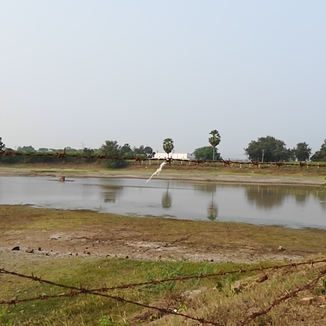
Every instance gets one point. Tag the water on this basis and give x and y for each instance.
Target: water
(289, 206)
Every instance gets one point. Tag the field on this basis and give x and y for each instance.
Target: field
(86, 268)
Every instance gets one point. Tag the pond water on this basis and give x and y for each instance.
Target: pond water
(290, 206)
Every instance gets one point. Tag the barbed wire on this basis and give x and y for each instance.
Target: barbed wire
(117, 298)
(139, 158)
(75, 291)
(283, 298)
(172, 279)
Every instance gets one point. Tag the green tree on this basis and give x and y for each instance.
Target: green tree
(113, 150)
(214, 140)
(168, 145)
(268, 149)
(9, 159)
(26, 149)
(205, 153)
(138, 150)
(143, 151)
(302, 151)
(126, 150)
(320, 156)
(88, 152)
(2, 145)
(149, 151)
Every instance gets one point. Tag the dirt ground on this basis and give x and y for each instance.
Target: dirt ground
(107, 241)
(96, 241)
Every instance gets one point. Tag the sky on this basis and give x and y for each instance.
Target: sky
(75, 73)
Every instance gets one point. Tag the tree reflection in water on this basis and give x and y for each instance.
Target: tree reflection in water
(321, 195)
(212, 211)
(267, 196)
(205, 187)
(111, 192)
(166, 198)
(212, 208)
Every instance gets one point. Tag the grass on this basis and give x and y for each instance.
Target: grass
(88, 309)
(216, 300)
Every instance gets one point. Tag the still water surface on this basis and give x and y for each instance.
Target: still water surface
(291, 206)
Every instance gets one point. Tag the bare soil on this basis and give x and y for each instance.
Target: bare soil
(99, 241)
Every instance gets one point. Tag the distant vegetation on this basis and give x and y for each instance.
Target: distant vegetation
(264, 149)
(71, 155)
(206, 153)
(270, 149)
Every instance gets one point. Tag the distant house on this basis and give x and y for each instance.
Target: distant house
(175, 156)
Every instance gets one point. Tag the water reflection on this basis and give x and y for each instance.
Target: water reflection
(166, 198)
(111, 192)
(205, 187)
(212, 211)
(321, 195)
(258, 204)
(264, 196)
(268, 196)
(301, 197)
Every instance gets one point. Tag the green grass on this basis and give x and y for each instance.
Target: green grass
(97, 273)
(218, 302)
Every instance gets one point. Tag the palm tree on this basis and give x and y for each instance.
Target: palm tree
(214, 140)
(168, 145)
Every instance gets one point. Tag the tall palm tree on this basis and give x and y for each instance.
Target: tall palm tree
(168, 145)
(214, 140)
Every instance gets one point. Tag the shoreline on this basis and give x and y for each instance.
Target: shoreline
(194, 176)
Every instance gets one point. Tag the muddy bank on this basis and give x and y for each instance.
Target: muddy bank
(50, 233)
(144, 172)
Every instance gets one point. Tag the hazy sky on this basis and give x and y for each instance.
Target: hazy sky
(77, 73)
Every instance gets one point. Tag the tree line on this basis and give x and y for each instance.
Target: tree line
(270, 149)
(264, 149)
(86, 155)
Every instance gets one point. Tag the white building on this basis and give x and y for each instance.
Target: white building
(175, 156)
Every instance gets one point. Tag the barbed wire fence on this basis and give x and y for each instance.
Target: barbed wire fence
(63, 155)
(73, 291)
